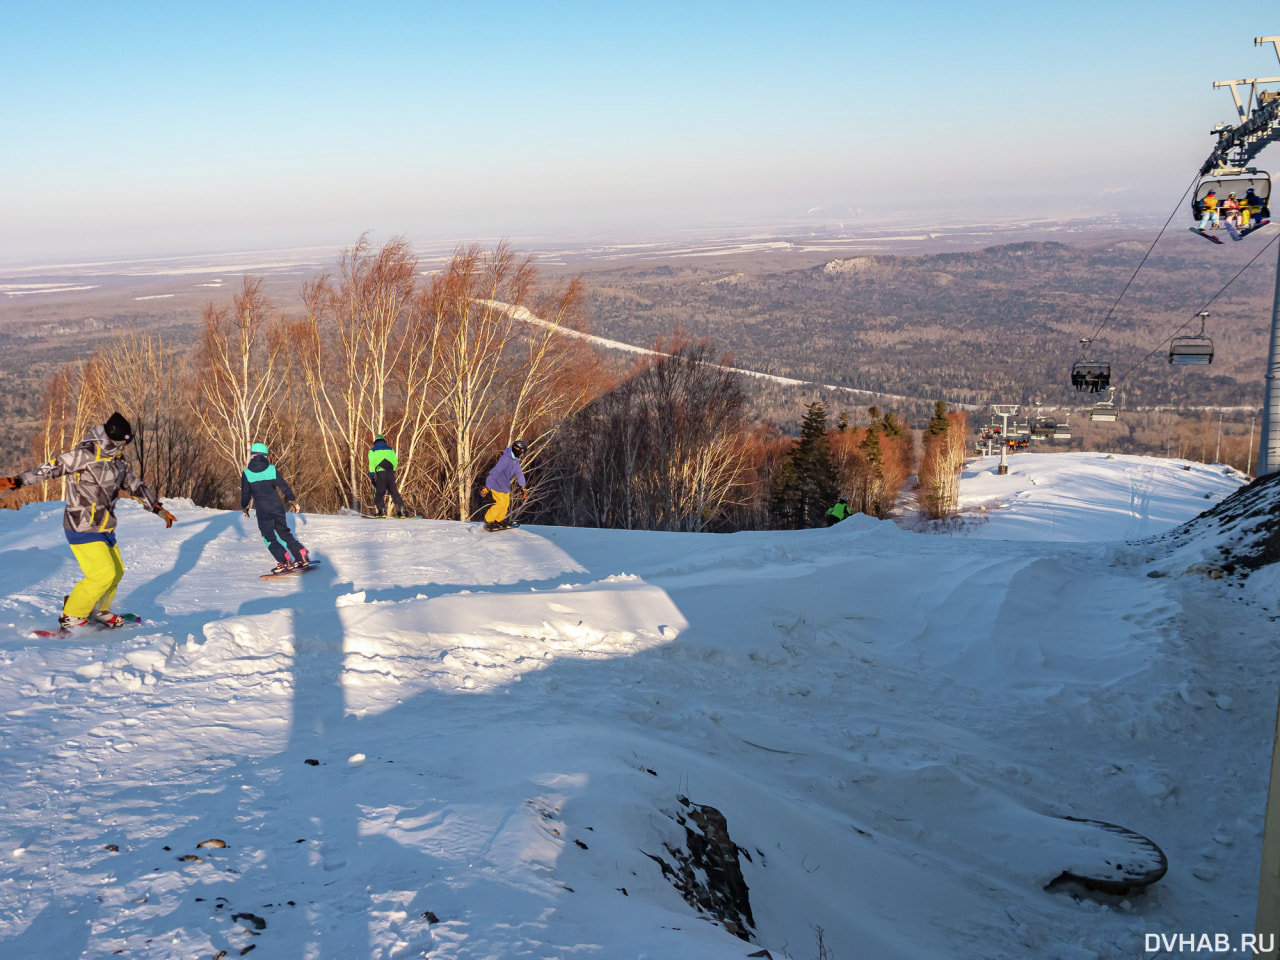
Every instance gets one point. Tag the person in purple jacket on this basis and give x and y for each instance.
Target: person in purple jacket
(505, 476)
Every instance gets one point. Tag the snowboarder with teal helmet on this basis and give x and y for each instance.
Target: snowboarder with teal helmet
(261, 483)
(382, 472)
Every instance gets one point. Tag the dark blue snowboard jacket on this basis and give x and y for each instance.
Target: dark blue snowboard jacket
(262, 483)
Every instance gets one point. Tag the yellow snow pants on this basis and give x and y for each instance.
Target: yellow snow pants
(103, 569)
(498, 512)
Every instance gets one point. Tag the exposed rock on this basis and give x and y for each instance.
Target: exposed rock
(707, 871)
(1250, 519)
(1210, 570)
(852, 265)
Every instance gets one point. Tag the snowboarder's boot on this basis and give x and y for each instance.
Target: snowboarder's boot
(69, 623)
(303, 561)
(283, 567)
(108, 620)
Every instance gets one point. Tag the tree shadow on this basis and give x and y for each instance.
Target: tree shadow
(309, 853)
(147, 595)
(58, 931)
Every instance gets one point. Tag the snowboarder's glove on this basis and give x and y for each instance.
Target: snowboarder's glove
(10, 483)
(291, 505)
(164, 515)
(246, 513)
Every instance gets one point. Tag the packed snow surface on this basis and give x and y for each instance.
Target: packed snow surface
(455, 744)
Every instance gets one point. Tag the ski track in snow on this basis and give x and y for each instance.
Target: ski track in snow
(892, 724)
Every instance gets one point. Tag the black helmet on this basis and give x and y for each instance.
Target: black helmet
(518, 448)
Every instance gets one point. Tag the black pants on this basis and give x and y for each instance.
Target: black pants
(278, 537)
(384, 482)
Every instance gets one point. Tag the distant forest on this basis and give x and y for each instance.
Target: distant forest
(996, 325)
(453, 365)
(1000, 325)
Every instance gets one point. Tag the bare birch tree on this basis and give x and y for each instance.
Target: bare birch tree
(663, 450)
(366, 353)
(938, 481)
(241, 374)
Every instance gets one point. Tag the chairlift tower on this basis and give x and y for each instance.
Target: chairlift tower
(1259, 116)
(1258, 125)
(1004, 411)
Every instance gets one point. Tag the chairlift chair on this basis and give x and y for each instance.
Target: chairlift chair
(1196, 349)
(1091, 375)
(1105, 411)
(1062, 431)
(1226, 181)
(1042, 428)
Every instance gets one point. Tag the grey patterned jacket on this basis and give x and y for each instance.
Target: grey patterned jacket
(100, 476)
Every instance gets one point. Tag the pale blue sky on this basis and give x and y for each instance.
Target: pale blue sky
(146, 128)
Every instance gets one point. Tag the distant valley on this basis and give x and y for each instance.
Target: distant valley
(966, 315)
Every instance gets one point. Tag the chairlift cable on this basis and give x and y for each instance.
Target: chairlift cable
(1145, 256)
(1191, 186)
(1159, 348)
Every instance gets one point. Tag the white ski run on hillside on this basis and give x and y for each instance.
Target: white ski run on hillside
(526, 315)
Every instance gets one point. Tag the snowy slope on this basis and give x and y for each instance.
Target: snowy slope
(503, 726)
(1087, 497)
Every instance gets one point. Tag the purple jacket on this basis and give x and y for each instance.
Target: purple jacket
(499, 479)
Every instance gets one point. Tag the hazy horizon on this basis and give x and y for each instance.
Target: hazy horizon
(144, 131)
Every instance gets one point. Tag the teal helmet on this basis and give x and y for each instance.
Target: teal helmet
(259, 448)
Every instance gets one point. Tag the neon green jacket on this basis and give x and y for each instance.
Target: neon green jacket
(382, 454)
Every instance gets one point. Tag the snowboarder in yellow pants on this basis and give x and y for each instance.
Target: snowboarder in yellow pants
(505, 473)
(501, 504)
(98, 475)
(103, 569)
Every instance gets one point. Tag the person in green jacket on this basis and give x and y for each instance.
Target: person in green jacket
(838, 512)
(382, 472)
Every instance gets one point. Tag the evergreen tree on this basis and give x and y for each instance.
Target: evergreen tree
(805, 484)
(892, 426)
(938, 424)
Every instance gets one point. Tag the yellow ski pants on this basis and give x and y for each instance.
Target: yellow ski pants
(498, 512)
(103, 569)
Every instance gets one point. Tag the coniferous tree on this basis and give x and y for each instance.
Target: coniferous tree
(938, 423)
(806, 484)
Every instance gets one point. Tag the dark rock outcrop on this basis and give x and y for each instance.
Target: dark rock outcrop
(706, 870)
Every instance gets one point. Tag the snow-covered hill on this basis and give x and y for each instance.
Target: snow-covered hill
(455, 744)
